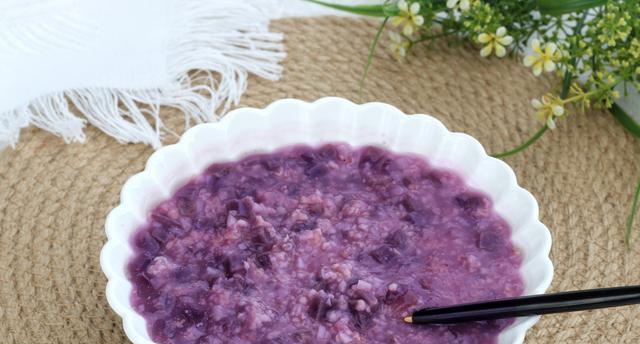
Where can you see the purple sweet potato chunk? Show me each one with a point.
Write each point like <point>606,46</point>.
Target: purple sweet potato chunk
<point>326,245</point>
<point>397,239</point>
<point>384,254</point>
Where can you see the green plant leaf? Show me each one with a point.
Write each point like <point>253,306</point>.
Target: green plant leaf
<point>559,7</point>
<point>632,215</point>
<point>384,10</point>
<point>626,120</point>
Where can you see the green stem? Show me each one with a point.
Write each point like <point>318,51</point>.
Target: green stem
<point>365,10</point>
<point>632,215</point>
<point>557,8</point>
<point>372,50</point>
<point>627,121</point>
<point>523,146</point>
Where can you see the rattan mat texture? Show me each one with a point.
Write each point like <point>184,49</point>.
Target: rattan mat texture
<point>54,197</point>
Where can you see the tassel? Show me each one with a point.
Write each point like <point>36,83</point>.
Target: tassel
<point>212,48</point>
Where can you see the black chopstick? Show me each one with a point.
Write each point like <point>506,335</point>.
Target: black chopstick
<point>528,305</point>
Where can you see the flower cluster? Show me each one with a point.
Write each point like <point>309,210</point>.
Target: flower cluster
<point>604,48</point>
<point>611,52</point>
<point>596,41</point>
<point>480,18</point>
<point>411,22</point>
<point>600,45</point>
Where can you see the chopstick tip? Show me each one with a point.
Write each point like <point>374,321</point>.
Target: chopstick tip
<point>408,319</point>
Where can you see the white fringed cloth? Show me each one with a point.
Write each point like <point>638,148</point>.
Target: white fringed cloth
<point>118,61</point>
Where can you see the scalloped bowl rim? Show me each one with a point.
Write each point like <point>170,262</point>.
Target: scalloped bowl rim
<point>459,152</point>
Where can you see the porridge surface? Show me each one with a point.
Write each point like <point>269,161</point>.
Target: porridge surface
<point>320,245</point>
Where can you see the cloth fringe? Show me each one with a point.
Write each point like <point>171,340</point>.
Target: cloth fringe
<point>212,48</point>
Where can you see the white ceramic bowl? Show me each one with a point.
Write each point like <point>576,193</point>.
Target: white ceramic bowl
<point>286,122</point>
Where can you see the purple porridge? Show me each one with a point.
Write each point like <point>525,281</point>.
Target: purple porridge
<point>320,245</point>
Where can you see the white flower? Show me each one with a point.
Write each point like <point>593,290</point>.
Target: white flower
<point>542,58</point>
<point>548,108</point>
<point>408,17</point>
<point>462,5</point>
<point>399,45</point>
<point>497,42</point>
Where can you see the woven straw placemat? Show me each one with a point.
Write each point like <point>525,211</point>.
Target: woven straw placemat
<point>54,197</point>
